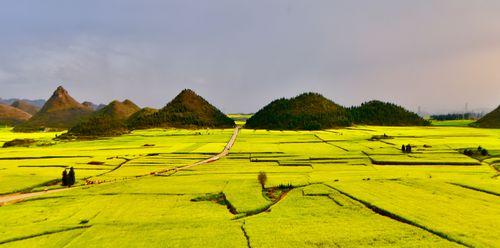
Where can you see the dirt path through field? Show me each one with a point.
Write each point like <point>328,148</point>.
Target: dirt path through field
<point>13,198</point>
<point>17,197</point>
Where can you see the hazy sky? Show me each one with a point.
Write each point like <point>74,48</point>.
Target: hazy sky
<point>437,54</point>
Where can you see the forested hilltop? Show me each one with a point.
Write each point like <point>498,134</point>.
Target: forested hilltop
<point>491,120</point>
<point>108,121</point>
<point>186,110</point>
<point>385,114</point>
<point>308,111</point>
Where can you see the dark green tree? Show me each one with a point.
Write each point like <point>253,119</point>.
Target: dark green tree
<point>64,178</point>
<point>71,177</point>
<point>408,148</point>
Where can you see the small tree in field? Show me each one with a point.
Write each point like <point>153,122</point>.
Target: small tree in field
<point>71,177</point>
<point>64,178</point>
<point>484,152</point>
<point>408,148</point>
<point>262,177</point>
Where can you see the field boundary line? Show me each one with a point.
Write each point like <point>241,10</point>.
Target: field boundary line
<point>43,234</point>
<point>328,143</point>
<point>475,189</point>
<point>245,234</point>
<point>400,218</point>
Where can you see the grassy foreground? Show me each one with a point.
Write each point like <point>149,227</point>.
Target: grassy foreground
<point>347,187</point>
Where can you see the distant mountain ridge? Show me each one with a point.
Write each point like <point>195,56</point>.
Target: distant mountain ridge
<point>25,106</point>
<point>11,116</point>
<point>38,102</point>
<point>94,106</point>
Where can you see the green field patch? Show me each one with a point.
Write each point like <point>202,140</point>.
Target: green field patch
<point>293,163</point>
<point>477,189</point>
<point>423,159</point>
<point>456,213</point>
<point>42,157</point>
<point>42,166</point>
<point>245,195</point>
<point>419,206</point>
<point>305,221</point>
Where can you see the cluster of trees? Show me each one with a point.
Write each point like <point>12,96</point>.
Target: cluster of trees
<point>406,149</point>
<point>68,178</point>
<point>456,116</point>
<point>476,152</point>
<point>309,111</point>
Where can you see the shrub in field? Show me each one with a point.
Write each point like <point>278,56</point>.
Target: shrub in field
<point>484,152</point>
<point>406,149</point>
<point>477,152</point>
<point>19,142</point>
<point>262,177</point>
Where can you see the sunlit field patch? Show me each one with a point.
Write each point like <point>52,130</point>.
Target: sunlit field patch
<point>345,187</point>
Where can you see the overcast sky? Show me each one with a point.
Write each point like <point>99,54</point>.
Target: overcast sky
<point>241,54</point>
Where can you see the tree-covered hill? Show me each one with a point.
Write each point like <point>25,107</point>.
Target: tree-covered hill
<point>491,120</point>
<point>108,121</point>
<point>384,114</point>
<point>186,110</point>
<point>308,111</point>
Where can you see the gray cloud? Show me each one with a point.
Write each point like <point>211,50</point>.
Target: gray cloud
<point>242,54</point>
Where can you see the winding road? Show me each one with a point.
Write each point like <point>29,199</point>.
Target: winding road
<point>17,197</point>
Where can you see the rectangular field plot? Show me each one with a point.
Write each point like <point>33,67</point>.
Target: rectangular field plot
<point>319,220</point>
<point>424,159</point>
<point>460,214</point>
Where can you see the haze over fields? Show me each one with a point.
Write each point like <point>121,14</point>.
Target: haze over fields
<point>240,55</point>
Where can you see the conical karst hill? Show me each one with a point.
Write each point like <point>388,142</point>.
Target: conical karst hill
<point>186,110</point>
<point>60,112</point>
<point>25,106</point>
<point>308,111</point>
<point>11,116</point>
<point>490,120</point>
<point>108,121</point>
<point>385,114</point>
